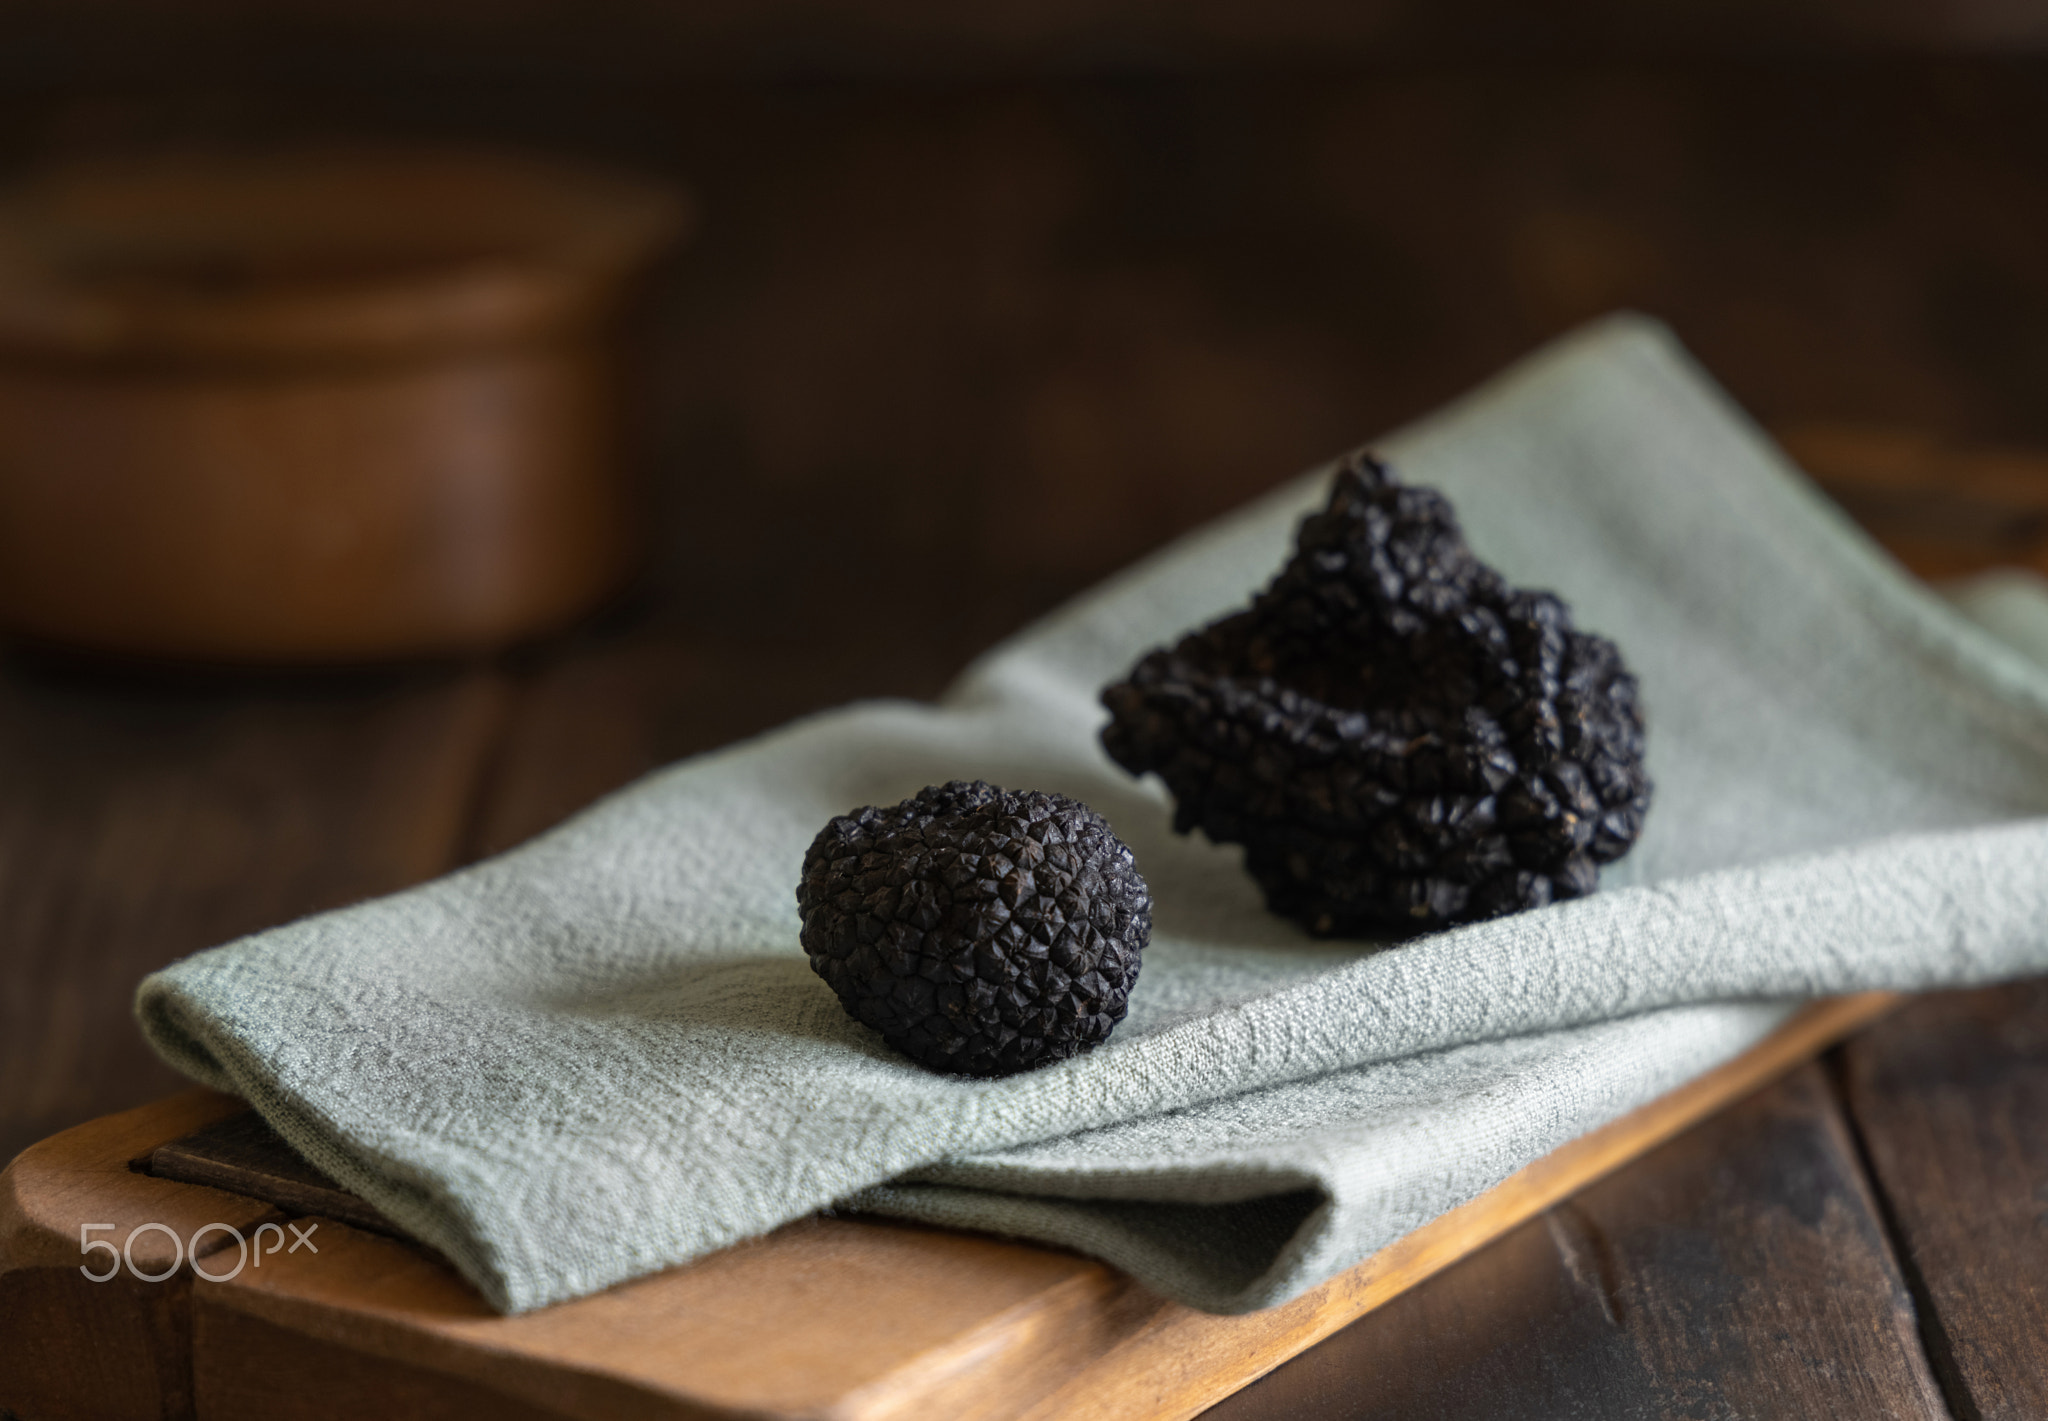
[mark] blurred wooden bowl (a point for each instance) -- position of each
(324, 406)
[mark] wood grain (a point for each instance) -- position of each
(1942, 510)
(962, 348)
(588, 717)
(965, 349)
(996, 339)
(825, 1317)
(1740, 1270)
(147, 817)
(119, 1348)
(1195, 1359)
(243, 1155)
(437, 507)
(1950, 1100)
(318, 406)
(849, 1317)
(1014, 336)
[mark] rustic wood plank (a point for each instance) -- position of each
(824, 1317)
(303, 1377)
(147, 816)
(119, 1348)
(150, 814)
(1023, 333)
(1942, 509)
(582, 722)
(1179, 1363)
(1950, 1101)
(590, 716)
(982, 335)
(851, 1317)
(1740, 1270)
(244, 1155)
(1013, 336)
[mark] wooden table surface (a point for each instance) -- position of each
(950, 355)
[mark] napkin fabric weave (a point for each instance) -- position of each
(603, 1053)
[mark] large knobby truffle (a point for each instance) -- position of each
(980, 931)
(1400, 740)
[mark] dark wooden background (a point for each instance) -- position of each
(989, 300)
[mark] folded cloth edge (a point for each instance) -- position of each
(208, 1054)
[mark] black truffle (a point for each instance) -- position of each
(1399, 739)
(978, 930)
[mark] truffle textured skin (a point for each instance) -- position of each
(1400, 740)
(980, 931)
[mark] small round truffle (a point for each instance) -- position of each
(1400, 740)
(980, 931)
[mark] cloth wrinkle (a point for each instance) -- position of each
(603, 1053)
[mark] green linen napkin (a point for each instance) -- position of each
(603, 1053)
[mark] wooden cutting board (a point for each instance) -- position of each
(829, 1317)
